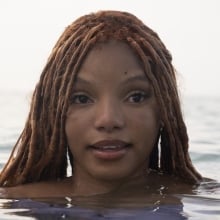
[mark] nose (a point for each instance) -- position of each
(109, 116)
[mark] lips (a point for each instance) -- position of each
(110, 144)
(110, 149)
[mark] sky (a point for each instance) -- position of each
(190, 30)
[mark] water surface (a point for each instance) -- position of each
(202, 115)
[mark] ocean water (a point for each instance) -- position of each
(202, 116)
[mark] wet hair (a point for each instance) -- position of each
(41, 152)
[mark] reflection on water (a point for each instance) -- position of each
(43, 210)
(203, 203)
(191, 207)
(201, 207)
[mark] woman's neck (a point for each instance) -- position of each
(82, 185)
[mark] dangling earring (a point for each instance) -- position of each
(159, 144)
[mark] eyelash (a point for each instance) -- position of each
(142, 96)
(78, 96)
(85, 99)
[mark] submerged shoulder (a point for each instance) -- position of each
(171, 184)
(36, 190)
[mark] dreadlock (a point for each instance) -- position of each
(41, 151)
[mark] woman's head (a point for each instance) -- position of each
(42, 147)
(112, 121)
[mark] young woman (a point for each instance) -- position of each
(107, 101)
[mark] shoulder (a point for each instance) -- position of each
(37, 190)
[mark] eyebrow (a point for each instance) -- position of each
(141, 78)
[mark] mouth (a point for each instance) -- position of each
(110, 149)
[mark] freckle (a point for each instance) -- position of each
(125, 72)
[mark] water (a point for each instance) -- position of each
(202, 115)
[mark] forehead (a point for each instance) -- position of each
(111, 57)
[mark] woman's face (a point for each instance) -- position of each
(112, 123)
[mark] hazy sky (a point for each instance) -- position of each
(189, 28)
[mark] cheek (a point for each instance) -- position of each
(75, 123)
(73, 128)
(146, 126)
(146, 118)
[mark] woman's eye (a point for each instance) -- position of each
(81, 99)
(137, 97)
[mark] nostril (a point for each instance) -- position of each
(108, 128)
(109, 115)
(108, 125)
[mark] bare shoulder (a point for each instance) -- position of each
(37, 190)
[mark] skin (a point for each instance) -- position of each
(112, 100)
